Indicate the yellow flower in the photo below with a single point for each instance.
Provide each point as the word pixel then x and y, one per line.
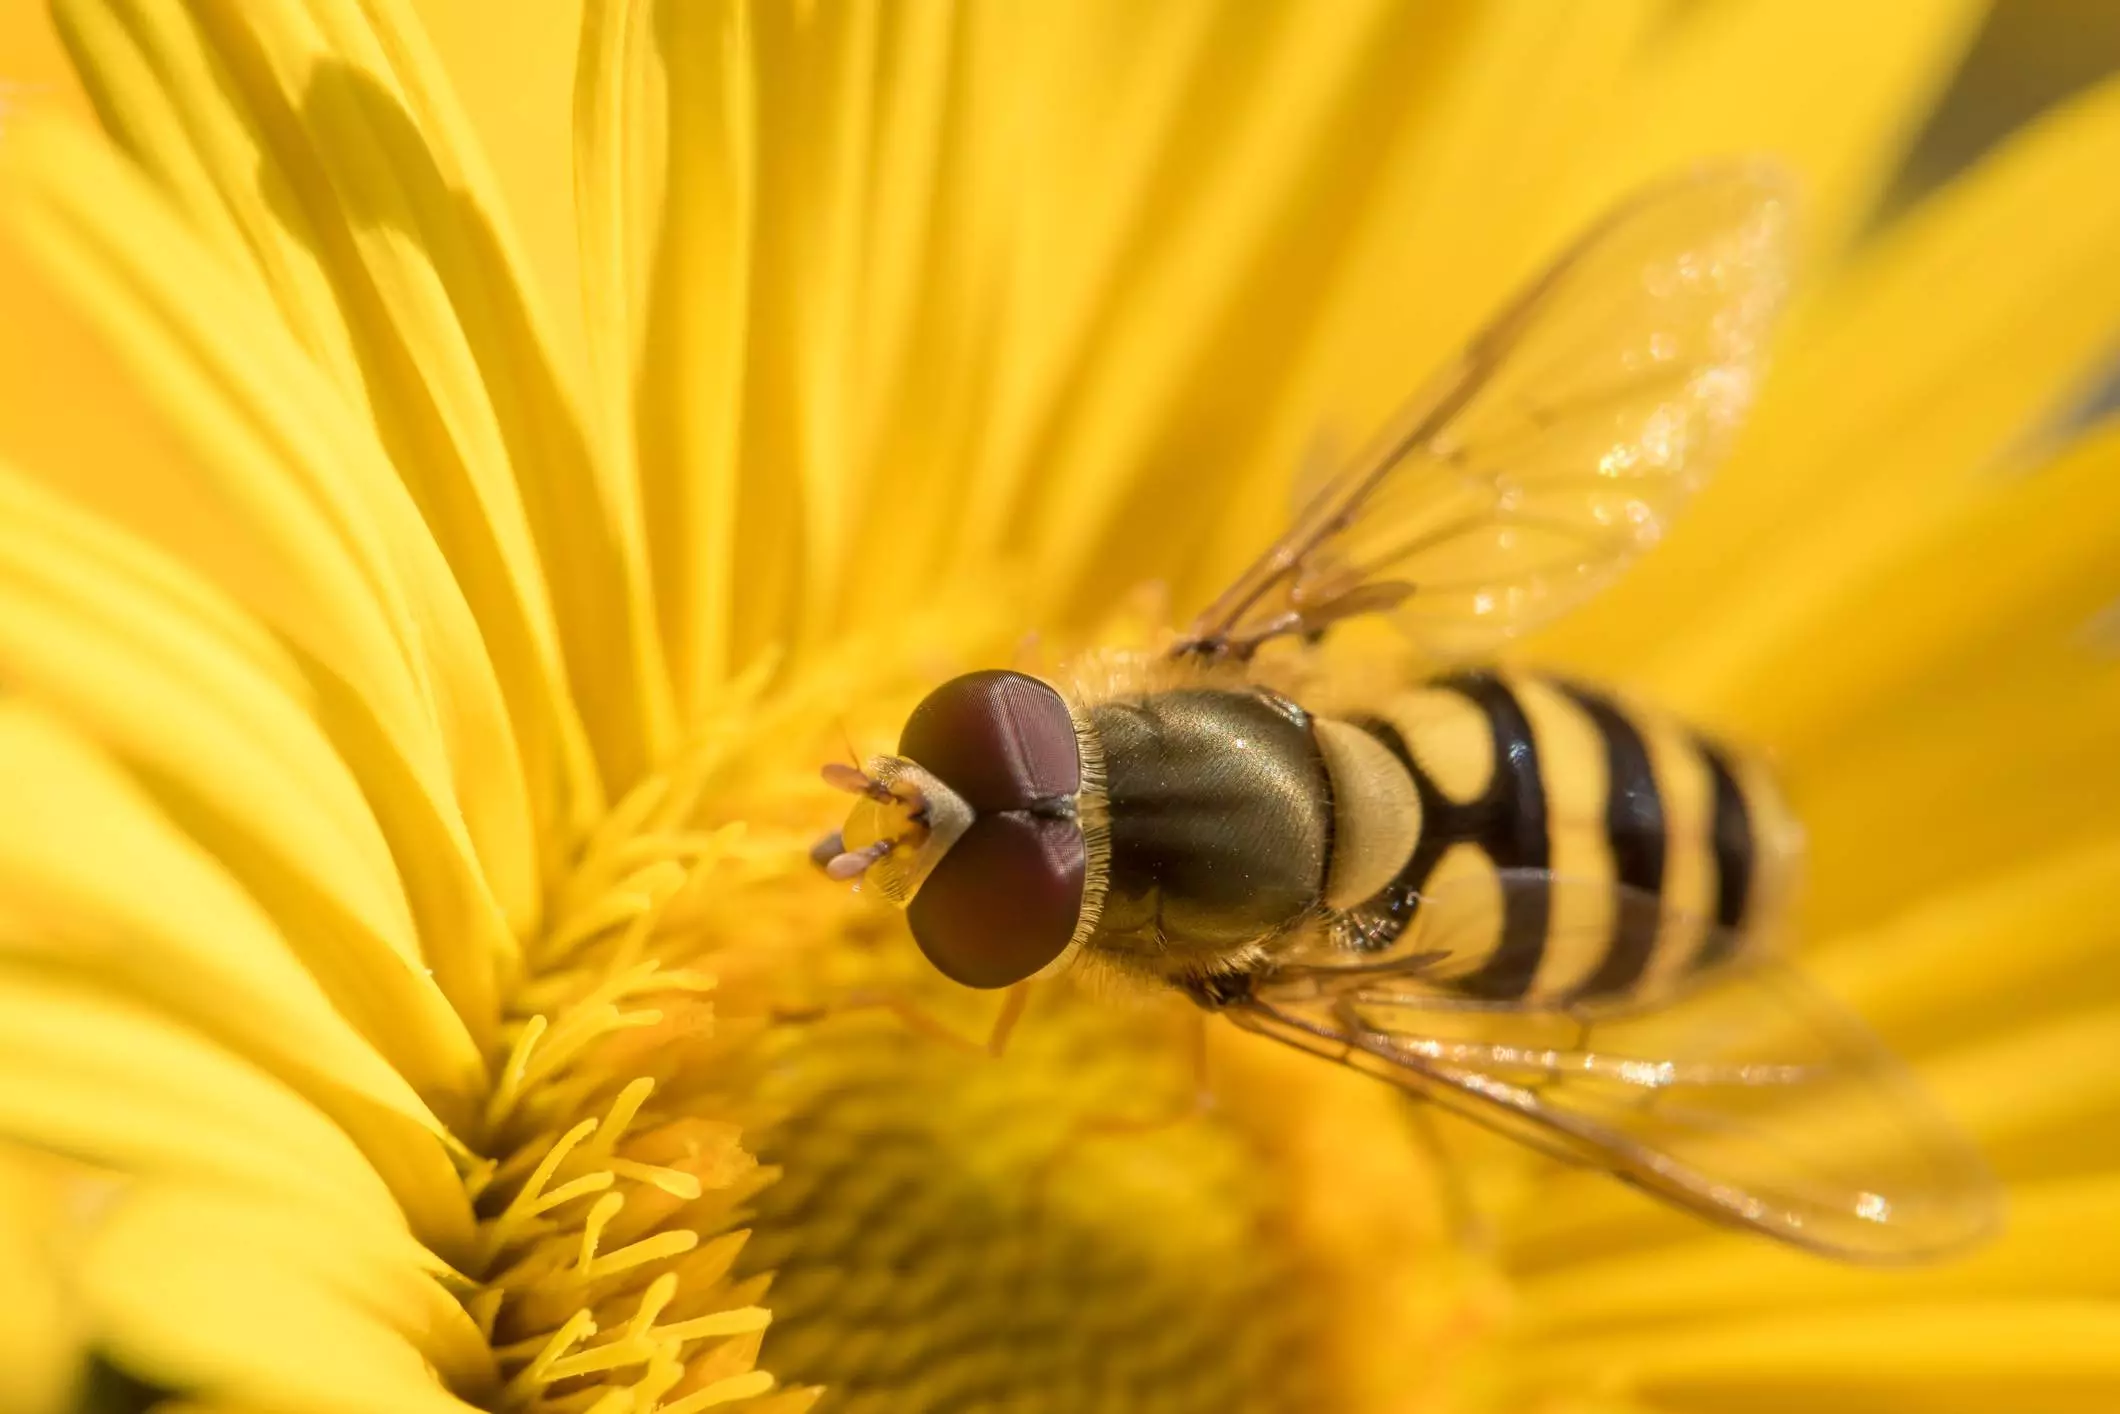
pixel 420 624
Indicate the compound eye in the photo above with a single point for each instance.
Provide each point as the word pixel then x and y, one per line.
pixel 1003 902
pixel 1001 740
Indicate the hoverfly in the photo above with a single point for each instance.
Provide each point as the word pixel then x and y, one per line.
pixel 1501 891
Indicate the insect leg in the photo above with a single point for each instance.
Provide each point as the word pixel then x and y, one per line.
pixel 1308 622
pixel 1469 1229
pixel 1240 648
pixel 1198 1102
pixel 915 1018
pixel 1012 1005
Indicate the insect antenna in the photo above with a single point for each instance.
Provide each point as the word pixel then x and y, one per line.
pixel 846 739
pixel 853 780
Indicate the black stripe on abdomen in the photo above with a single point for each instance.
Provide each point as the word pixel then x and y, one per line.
pixel 1733 858
pixel 1635 830
pixel 1512 830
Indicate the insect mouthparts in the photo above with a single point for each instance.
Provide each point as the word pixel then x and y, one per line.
pixel 853 863
pixel 827 849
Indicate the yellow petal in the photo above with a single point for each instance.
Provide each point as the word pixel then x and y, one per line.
pixel 112 1084
pixel 156 85
pixel 393 1283
pixel 1055 255
pixel 512 68
pixel 583 510
pixel 322 241
pixel 586 546
pixel 1834 94
pixel 244 1305
pixel 326 549
pixel 1950 1357
pixel 2009 766
pixel 91 876
pixel 38 76
pixel 1482 142
pixel 277 247
pixel 72 409
pixel 815 97
pixel 2018 563
pixel 2006 947
pixel 674 187
pixel 1288 122
pixel 616 128
pixel 40 1336
pixel 947 129
pixel 153 664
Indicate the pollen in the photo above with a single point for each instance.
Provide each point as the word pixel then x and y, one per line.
pixel 608 1202
pixel 1052 1229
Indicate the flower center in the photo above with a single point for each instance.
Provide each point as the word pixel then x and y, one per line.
pixel 613 1163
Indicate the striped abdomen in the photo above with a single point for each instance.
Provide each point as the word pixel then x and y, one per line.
pixel 1667 854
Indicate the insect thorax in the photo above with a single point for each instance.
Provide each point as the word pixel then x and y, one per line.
pixel 1221 822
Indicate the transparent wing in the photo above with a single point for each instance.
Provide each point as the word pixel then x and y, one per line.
pixel 1753 1101
pixel 1556 446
